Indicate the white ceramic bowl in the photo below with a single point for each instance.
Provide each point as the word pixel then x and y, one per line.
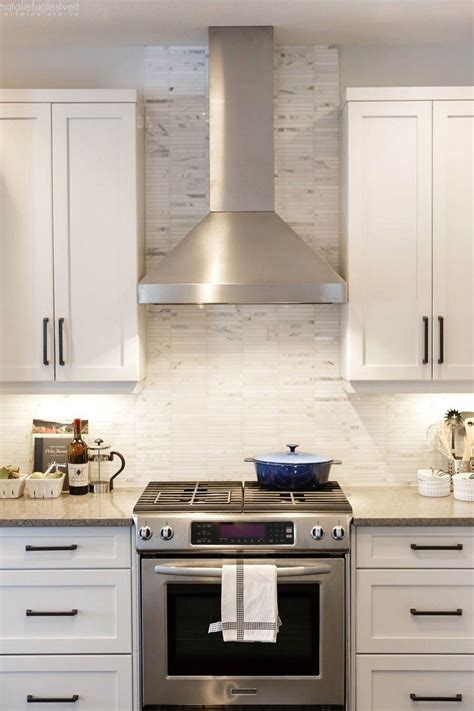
pixel 463 487
pixel 434 489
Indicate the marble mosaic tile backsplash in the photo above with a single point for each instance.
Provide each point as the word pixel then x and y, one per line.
pixel 226 382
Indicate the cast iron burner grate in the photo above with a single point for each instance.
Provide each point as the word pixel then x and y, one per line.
pixel 329 498
pixel 239 496
pixel 199 496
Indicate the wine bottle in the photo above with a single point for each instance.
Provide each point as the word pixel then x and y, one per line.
pixel 78 463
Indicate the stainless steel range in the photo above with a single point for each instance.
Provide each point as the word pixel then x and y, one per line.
pixel 185 532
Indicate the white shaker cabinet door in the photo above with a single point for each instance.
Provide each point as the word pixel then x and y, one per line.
pixel 388 251
pixel 95 242
pixel 453 239
pixel 65 612
pixel 40 547
pixel 26 248
pixel 415 611
pixel 88 683
pixel 403 682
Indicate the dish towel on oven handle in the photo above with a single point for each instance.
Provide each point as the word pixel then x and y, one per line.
pixel 249 603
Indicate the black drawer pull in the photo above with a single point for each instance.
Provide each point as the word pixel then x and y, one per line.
pixel 51 700
pixel 61 341
pixel 72 547
pixel 45 341
pixel 441 340
pixel 414 697
pixel 53 613
pixel 451 613
pixel 425 340
pixel 456 547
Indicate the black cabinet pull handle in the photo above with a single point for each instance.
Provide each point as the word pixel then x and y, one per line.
pixel 441 339
pixel 425 340
pixel 456 547
pixel 53 613
pixel 415 697
pixel 51 700
pixel 72 547
pixel 438 613
pixel 45 341
pixel 61 341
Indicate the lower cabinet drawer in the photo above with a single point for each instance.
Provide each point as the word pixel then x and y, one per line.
pixel 65 611
pixel 408 682
pixel 69 547
pixel 415 611
pixel 88 683
pixel 415 547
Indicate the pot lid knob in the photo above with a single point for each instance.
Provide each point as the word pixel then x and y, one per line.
pixel 99 441
pixel 292 448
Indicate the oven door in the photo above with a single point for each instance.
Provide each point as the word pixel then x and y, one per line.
pixel 184 665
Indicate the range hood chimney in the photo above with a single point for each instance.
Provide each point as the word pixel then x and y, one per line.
pixel 242 252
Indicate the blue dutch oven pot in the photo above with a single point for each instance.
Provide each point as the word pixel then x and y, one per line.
pixel 292 470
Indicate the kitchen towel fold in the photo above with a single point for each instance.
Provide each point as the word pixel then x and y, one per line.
pixel 249 603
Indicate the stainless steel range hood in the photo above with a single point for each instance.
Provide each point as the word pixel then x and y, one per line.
pixel 242 252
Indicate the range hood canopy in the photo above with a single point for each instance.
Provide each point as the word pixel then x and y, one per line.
pixel 242 252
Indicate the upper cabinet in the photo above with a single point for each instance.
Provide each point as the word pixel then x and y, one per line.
pixel 407 216
pixel 388 240
pixel 71 237
pixel 453 239
pixel 26 243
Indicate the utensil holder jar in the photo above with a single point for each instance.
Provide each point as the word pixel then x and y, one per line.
pixel 459 466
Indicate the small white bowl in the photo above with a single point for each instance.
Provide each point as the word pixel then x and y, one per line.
pixel 434 489
pixel 463 487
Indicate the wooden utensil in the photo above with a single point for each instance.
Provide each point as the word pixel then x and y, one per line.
pixel 468 438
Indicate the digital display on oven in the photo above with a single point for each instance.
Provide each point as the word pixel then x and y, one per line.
pixel 231 533
pixel 241 530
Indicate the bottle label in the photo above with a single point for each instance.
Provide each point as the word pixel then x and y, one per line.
pixel 78 474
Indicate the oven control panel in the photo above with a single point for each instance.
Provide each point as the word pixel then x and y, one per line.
pixel 242 533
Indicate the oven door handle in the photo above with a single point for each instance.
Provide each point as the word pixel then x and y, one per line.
pixel 294 571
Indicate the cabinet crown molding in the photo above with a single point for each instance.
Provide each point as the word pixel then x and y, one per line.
pixel 69 96
pixel 409 93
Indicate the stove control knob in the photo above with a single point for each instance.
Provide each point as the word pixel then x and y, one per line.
pixel 145 533
pixel 166 533
pixel 317 533
pixel 338 533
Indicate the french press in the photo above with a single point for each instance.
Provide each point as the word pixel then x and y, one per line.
pixel 98 455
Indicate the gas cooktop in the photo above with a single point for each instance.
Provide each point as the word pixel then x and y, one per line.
pixel 240 515
pixel 239 497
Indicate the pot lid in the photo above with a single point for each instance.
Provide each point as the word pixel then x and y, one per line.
pixel 292 457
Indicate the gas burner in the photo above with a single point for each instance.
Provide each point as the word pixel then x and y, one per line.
pixel 198 496
pixel 327 499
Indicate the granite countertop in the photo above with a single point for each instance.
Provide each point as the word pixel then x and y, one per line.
pixel 114 509
pixel 372 506
pixel 403 506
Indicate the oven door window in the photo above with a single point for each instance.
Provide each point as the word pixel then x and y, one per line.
pixel 194 652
